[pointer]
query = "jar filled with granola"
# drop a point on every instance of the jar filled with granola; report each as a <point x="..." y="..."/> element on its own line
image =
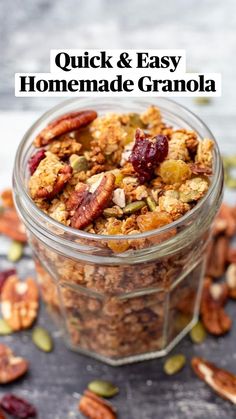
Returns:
<point x="118" y="198"/>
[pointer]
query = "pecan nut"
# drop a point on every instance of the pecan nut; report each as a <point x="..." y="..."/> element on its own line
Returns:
<point x="11" y="367"/>
<point x="64" y="124"/>
<point x="222" y="381"/>
<point x="93" y="204"/>
<point x="95" y="407"/>
<point x="231" y="255"/>
<point x="20" y="302"/>
<point x="11" y="226"/>
<point x="217" y="257"/>
<point x="64" y="175"/>
<point x="226" y="215"/>
<point x="231" y="280"/>
<point x="198" y="169"/>
<point x="214" y="318"/>
<point x="7" y="198"/>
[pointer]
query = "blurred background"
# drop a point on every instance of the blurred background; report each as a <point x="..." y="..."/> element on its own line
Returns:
<point x="29" y="29"/>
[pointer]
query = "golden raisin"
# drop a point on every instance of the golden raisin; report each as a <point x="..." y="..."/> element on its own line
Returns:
<point x="174" y="171"/>
<point x="153" y="220"/>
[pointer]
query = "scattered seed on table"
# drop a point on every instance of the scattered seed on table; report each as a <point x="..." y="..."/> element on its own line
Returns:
<point x="42" y="339"/>
<point x="103" y="388"/>
<point x="174" y="364"/>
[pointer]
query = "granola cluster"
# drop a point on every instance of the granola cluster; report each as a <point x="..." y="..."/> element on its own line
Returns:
<point x="118" y="174"/>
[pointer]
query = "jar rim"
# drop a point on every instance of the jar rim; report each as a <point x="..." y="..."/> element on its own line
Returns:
<point x="80" y="234"/>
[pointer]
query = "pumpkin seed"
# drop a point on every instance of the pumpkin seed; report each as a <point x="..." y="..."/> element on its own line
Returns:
<point x="78" y="163"/>
<point x="174" y="364"/>
<point x="5" y="329"/>
<point x="113" y="212"/>
<point x="42" y="339"/>
<point x="201" y="100"/>
<point x="151" y="203"/>
<point x="133" y="207"/>
<point x="103" y="388"/>
<point x="198" y="333"/>
<point x="15" y="251"/>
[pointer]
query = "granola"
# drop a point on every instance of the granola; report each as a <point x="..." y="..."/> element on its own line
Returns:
<point x="120" y="175"/>
<point x="119" y="144"/>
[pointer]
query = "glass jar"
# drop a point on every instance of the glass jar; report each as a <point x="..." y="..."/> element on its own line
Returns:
<point x="128" y="306"/>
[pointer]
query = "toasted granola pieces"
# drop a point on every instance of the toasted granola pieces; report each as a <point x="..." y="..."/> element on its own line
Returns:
<point x="20" y="302"/>
<point x="156" y="169"/>
<point x="49" y="178"/>
<point x="11" y="367"/>
<point x="64" y="124"/>
<point x="204" y="154"/>
<point x="95" y="407"/>
<point x="221" y="381"/>
<point x="93" y="204"/>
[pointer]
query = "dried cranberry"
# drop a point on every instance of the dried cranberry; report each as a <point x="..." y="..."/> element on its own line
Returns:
<point x="35" y="160"/>
<point x="147" y="153"/>
<point x="17" y="407"/>
<point x="4" y="275"/>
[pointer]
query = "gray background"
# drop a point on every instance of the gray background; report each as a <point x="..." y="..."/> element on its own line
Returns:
<point x="28" y="30"/>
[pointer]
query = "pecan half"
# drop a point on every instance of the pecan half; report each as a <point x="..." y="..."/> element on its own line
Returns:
<point x="231" y="255"/>
<point x="20" y="302"/>
<point x="94" y="407"/>
<point x="11" y="367"/>
<point x="214" y="318"/>
<point x="93" y="204"/>
<point x="7" y="198"/>
<point x="226" y="215"/>
<point x="198" y="169"/>
<point x="11" y="226"/>
<point x="222" y="381"/>
<point x="64" y="175"/>
<point x="217" y="256"/>
<point x="64" y="124"/>
<point x="231" y="280"/>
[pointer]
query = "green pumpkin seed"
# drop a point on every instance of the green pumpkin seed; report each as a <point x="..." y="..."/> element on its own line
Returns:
<point x="201" y="100"/>
<point x="113" y="212"/>
<point x="133" y="207"/>
<point x="15" y="251"/>
<point x="42" y="339"/>
<point x="151" y="203"/>
<point x="103" y="388"/>
<point x="198" y="333"/>
<point x="78" y="163"/>
<point x="174" y="364"/>
<point x="5" y="329"/>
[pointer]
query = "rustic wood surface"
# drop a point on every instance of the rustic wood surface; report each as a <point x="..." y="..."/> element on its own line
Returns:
<point x="207" y="30"/>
